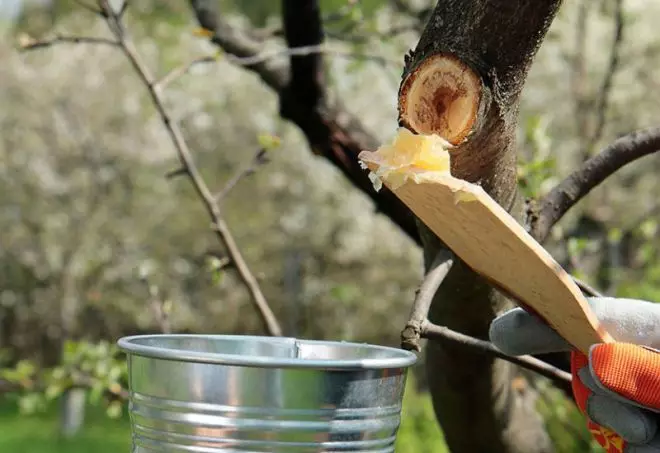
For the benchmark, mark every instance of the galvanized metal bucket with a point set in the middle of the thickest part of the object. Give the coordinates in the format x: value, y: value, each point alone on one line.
x: 220, y: 393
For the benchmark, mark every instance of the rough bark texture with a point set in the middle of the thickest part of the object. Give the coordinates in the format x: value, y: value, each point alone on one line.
x: 474, y: 399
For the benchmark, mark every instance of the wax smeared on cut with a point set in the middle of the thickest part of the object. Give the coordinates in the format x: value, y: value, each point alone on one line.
x: 409, y: 157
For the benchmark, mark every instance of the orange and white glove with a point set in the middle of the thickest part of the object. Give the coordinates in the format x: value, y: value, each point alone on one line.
x: 617, y: 386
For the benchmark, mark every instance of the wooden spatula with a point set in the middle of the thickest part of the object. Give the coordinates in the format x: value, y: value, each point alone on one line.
x: 483, y: 235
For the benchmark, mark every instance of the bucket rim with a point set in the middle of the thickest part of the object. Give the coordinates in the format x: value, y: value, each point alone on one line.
x: 398, y: 358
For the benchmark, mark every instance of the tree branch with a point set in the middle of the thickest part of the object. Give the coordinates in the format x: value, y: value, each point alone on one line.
x: 331, y: 132
x: 439, y: 269
x: 259, y: 159
x: 265, y: 56
x: 187, y: 162
x: 435, y: 332
x: 606, y: 87
x: 28, y: 43
x: 594, y: 171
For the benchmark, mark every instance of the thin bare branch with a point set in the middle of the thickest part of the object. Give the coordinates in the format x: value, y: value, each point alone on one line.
x: 176, y: 172
x: 594, y: 171
x: 578, y: 76
x: 182, y: 70
x: 439, y: 269
x: 259, y: 159
x: 185, y: 156
x: 158, y: 305
x: 606, y: 87
x: 124, y: 7
x: 435, y: 332
x: 265, y: 56
x: 28, y: 43
x: 311, y: 50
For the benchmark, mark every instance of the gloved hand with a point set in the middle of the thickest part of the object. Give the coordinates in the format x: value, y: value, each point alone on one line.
x: 618, y: 385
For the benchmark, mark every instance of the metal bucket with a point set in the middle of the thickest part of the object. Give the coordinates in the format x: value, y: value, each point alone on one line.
x: 219, y: 393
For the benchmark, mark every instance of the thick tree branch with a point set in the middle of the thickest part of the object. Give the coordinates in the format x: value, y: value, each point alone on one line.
x: 594, y: 171
x: 303, y: 26
x: 330, y: 131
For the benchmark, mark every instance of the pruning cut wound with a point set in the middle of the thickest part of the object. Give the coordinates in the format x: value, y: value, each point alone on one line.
x: 409, y: 157
x: 441, y: 96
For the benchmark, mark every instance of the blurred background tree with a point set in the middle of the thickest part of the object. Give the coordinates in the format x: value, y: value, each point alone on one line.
x: 96, y: 243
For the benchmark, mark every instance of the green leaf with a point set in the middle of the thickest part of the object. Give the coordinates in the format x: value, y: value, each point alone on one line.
x: 96, y: 392
x: 217, y: 277
x: 268, y: 141
x: 114, y: 409
x: 30, y: 403
x: 26, y: 368
x: 614, y: 235
x: 53, y: 391
x: 345, y: 293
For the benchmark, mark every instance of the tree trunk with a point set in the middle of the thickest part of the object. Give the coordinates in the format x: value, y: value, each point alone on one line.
x: 463, y: 82
x: 72, y: 411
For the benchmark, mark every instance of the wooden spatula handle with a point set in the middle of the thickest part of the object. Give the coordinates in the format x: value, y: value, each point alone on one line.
x: 484, y: 236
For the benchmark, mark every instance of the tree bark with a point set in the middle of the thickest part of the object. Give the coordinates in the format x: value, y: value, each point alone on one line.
x: 495, y: 41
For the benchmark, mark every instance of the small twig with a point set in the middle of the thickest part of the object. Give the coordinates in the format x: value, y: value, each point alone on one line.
x: 579, y: 73
x: 122, y: 10
x: 606, y: 87
x: 183, y: 69
x: 439, y: 269
x: 594, y: 171
x: 310, y: 50
x: 27, y: 43
x: 259, y: 159
x: 432, y: 331
x: 265, y: 56
x: 158, y: 305
x: 219, y: 225
x: 176, y: 172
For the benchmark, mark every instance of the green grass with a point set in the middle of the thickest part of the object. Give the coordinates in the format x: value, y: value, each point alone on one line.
x: 39, y: 433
